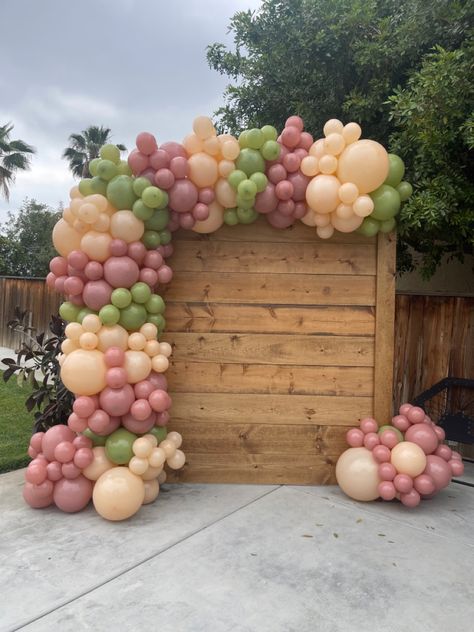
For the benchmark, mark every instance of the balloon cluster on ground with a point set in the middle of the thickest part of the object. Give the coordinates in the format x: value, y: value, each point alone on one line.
x: 406, y: 459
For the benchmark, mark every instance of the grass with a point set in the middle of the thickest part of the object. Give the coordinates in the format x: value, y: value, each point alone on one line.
x: 15, y: 425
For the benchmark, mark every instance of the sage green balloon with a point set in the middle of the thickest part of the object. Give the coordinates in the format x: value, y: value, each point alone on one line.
x: 243, y: 142
x: 386, y: 202
x: 245, y: 204
x: 118, y: 446
x: 247, y: 190
x: 159, y: 432
x: 255, y: 138
x: 140, y: 184
x: 388, y: 225
x: 94, y: 163
x: 247, y: 216
x: 106, y: 169
x: 152, y: 196
x: 121, y: 297
x: 158, y: 321
x: 158, y: 221
x: 120, y: 192
x: 151, y: 239
x: 369, y: 227
x: 230, y: 217
x: 271, y: 150
x: 165, y: 237
x: 133, y: 317
x: 123, y: 168
x: 269, y: 132
x: 85, y: 187
x: 110, y: 152
x: 85, y: 311
x: 109, y: 315
x: 155, y: 304
x: 396, y: 170
x: 68, y: 311
x: 236, y: 177
x: 404, y: 190
x: 249, y: 161
x: 98, y: 185
x: 96, y: 439
x: 260, y: 180
x: 141, y: 292
x: 142, y: 211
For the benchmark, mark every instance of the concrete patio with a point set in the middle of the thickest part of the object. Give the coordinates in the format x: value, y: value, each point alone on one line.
x: 242, y: 558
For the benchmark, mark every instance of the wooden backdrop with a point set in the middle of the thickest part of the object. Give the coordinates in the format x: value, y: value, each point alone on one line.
x: 280, y: 342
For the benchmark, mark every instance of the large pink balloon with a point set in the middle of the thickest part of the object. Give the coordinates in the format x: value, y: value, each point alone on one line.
x: 96, y: 294
x: 183, y: 196
x: 424, y: 436
x: 35, y: 495
x: 300, y: 184
x: 71, y: 495
x: 146, y: 143
x: 439, y: 470
x: 267, y: 201
x: 174, y: 149
x: 121, y: 271
x: 117, y: 401
x: 53, y: 437
x: 277, y: 220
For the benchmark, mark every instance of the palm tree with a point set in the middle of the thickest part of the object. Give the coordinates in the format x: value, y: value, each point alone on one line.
x: 85, y: 147
x: 15, y: 155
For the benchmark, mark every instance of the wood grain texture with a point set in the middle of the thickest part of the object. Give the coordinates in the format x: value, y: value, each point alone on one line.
x: 278, y: 319
x: 272, y: 349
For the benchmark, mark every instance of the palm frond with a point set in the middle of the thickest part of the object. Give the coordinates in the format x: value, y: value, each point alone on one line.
x: 20, y: 145
x: 16, y: 161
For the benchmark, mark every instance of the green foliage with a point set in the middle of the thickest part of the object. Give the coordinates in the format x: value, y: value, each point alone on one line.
x: 25, y: 240
x: 85, y: 147
x: 15, y: 155
x: 37, y: 365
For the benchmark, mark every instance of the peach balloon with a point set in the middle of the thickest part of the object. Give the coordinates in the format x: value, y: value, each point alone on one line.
x: 161, y: 477
x: 152, y: 472
x: 99, y: 465
x: 203, y: 170
x: 357, y: 474
x: 351, y: 132
x: 175, y: 437
x: 65, y: 238
x: 102, y: 224
x: 203, y: 127
x: 213, y: 222
x: 230, y: 149
x: 211, y: 146
x: 138, y: 465
x: 152, y: 489
x: 83, y: 372
x: 68, y: 216
x: 96, y: 245
x: 325, y: 232
x: 322, y: 219
x: 192, y: 144
x: 333, y: 126
x: 363, y: 206
x: 346, y: 224
x: 177, y: 460
x: 149, y: 330
x: 73, y: 331
x: 365, y: 163
x: 317, y: 148
x: 114, y: 336
x: 408, y: 458
x: 226, y: 167
x: 310, y: 166
x: 160, y: 363
x: 118, y: 494
x: 75, y: 193
x: 322, y: 193
x: 124, y: 225
x: 348, y: 193
x: 100, y: 201
x: 327, y: 164
x: 344, y: 211
x: 75, y: 207
x: 225, y: 194
x: 68, y: 346
x: 334, y: 143
x: 308, y: 219
x: 137, y: 365
x: 157, y: 457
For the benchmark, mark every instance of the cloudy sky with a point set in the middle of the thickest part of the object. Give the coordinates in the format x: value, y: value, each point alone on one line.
x: 126, y: 64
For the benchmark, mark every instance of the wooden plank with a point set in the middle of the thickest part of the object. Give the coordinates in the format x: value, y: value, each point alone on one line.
x: 384, y: 327
x: 244, y: 318
x: 258, y: 468
x: 226, y: 408
x: 272, y: 349
x: 306, y: 258
x: 250, y: 438
x: 278, y: 289
x: 208, y: 377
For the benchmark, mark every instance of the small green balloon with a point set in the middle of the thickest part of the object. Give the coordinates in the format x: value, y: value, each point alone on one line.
x: 155, y: 304
x: 158, y: 221
x: 260, y: 180
x: 158, y: 321
x: 140, y: 184
x: 151, y: 239
x: 271, y: 150
x: 120, y: 192
x: 110, y: 152
x: 386, y: 202
x: 94, y: 163
x: 235, y: 178
x: 109, y: 315
x: 247, y: 190
x: 107, y: 170
x: 249, y: 161
x: 269, y: 132
x: 123, y: 168
x: 118, y: 446
x: 395, y: 430
x: 159, y: 432
x: 142, y: 211
x: 141, y: 292
x: 121, y: 297
x: 85, y: 311
x: 152, y: 196
x: 388, y: 225
x: 96, y: 439
x: 246, y: 216
x: 396, y: 170
x: 369, y: 227
x: 243, y: 139
x: 85, y: 186
x: 165, y: 200
x: 245, y: 204
x: 133, y: 317
x: 404, y: 190
x: 68, y: 311
x: 98, y: 185
x: 255, y: 138
x: 165, y: 237
x: 230, y: 217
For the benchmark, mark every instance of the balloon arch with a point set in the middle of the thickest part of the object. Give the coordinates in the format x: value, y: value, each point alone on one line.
x: 113, y: 242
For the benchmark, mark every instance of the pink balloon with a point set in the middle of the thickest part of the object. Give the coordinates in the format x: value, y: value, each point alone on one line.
x: 153, y: 259
x: 76, y: 423
x: 167, y: 250
x: 404, y: 408
x: 117, y: 401
x: 371, y: 440
x: 300, y: 210
x: 121, y: 271
x: 94, y: 271
x: 73, y: 285
x: 53, y: 437
x: 32, y: 452
x: 146, y: 143
x: 96, y: 294
x: 174, y: 149
x: 424, y: 485
x: 140, y: 409
x: 72, y: 495
x: 266, y: 201
x: 118, y: 247
x: 59, y: 284
x: 51, y: 280
x: 411, y: 499
x: 143, y: 389
x: 82, y: 442
x: 403, y: 483
x: 295, y: 121
x: 389, y: 438
x: 35, y: 497
x: 290, y: 137
x: 76, y: 300
x: 400, y: 422
x: 416, y: 415
x: 149, y: 174
x: 148, y: 276
x: 75, y: 272
x: 83, y: 458
x: 291, y: 162
x: 36, y: 441
x: 424, y: 436
x: 381, y: 453
x: 64, y: 452
x: 158, y: 380
x: 457, y: 467
x: 387, y: 490
x: 439, y: 470
x: 300, y: 184
x: 36, y: 472
x: 306, y: 140
x: 137, y: 161
x: 174, y: 222
x: 277, y: 173
x: 183, y: 196
x: 440, y: 433
x: 456, y: 455
x: 286, y: 208
x: 200, y: 212
x: 159, y: 159
x: 84, y: 406
x: 113, y: 424
x: 58, y: 266
x: 164, y: 178
x: 162, y: 418
x: 78, y: 259
x: 368, y: 425
x: 300, y: 152
x: 179, y: 167
x: 137, y: 251
x: 206, y: 196
x: 165, y: 274
x: 54, y: 471
x: 70, y: 471
x: 444, y: 451
x: 159, y: 400
x: 355, y: 438
x: 387, y: 471
x: 114, y: 356
x: 277, y: 220
x: 139, y: 427
x: 98, y: 421
x: 116, y: 377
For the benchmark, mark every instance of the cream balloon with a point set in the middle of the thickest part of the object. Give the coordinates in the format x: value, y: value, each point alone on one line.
x: 203, y: 127
x: 65, y: 238
x: 363, y: 206
x: 203, y: 170
x: 351, y: 133
x: 348, y: 193
x: 192, y: 144
x: 334, y: 143
x: 408, y: 458
x: 333, y: 126
x: 99, y: 465
x: 365, y: 163
x: 357, y: 474
x: 322, y: 193
x: 152, y: 472
x: 96, y: 245
x: 83, y: 372
x: 176, y: 461
x: 310, y: 166
x: 152, y: 489
x: 322, y: 219
x: 213, y: 222
x: 225, y: 194
x: 325, y: 232
x: 346, y: 224
x: 118, y: 494
x: 317, y: 148
x: 124, y: 225
x: 343, y: 211
x: 327, y: 164
x: 114, y: 336
x: 137, y: 366
x: 308, y: 219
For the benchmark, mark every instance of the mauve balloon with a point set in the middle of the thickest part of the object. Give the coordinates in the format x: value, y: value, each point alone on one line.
x: 137, y: 161
x: 117, y: 401
x: 174, y: 149
x: 183, y: 196
x: 164, y: 178
x: 72, y: 495
x: 146, y: 143
x: 138, y: 427
x: 439, y: 470
x: 277, y: 220
x: 53, y: 437
x: 157, y: 380
x: 300, y: 184
x: 121, y: 271
x: 159, y: 159
x: 266, y: 201
x: 96, y: 294
x: 34, y: 496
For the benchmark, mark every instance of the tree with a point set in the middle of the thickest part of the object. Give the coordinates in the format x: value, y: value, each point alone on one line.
x: 25, y: 240
x: 339, y: 59
x: 15, y: 155
x: 84, y: 147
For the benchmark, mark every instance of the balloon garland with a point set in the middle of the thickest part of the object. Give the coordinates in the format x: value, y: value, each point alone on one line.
x: 113, y: 241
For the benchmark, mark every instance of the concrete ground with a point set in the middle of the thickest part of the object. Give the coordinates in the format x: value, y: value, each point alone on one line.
x: 221, y: 558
